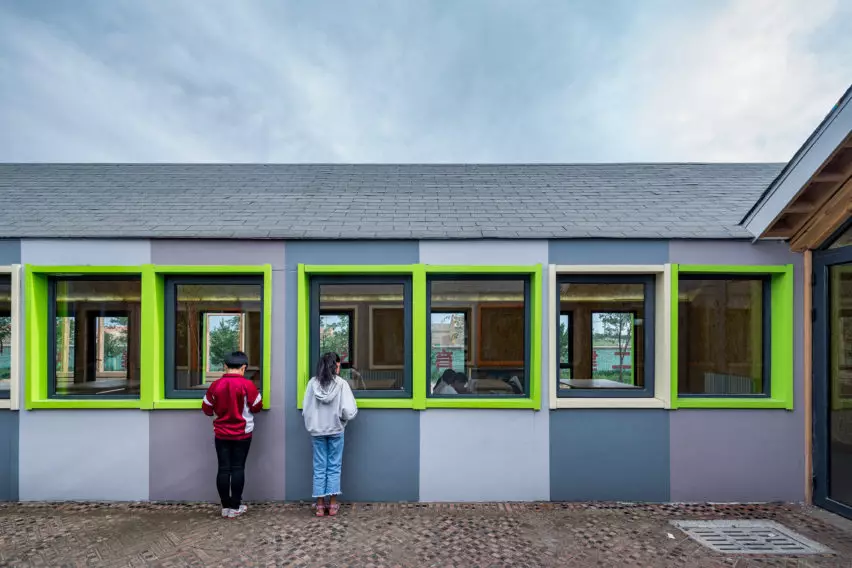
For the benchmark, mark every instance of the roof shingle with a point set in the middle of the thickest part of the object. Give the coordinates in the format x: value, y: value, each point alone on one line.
x: 380, y: 201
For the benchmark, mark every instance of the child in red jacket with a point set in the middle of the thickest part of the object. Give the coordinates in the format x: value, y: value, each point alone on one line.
x: 232, y: 399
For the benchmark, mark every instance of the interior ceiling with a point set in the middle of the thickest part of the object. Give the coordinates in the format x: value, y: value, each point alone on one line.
x: 821, y: 206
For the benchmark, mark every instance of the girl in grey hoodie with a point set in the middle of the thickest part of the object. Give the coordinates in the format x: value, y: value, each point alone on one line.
x: 327, y: 407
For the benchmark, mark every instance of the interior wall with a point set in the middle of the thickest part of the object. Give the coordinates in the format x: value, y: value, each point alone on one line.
x: 381, y: 454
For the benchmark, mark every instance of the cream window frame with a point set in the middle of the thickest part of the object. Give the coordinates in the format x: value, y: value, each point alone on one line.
x: 662, y: 336
x: 16, y: 342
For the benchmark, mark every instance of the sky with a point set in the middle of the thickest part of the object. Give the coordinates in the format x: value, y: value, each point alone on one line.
x: 288, y: 81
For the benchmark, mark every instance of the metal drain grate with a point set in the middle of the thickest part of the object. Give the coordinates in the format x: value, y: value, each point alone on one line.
x: 749, y: 537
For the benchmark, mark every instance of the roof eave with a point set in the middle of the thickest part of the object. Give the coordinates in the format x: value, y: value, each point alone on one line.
x: 807, y: 161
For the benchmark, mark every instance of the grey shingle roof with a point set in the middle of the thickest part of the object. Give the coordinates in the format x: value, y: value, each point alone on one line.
x: 380, y: 201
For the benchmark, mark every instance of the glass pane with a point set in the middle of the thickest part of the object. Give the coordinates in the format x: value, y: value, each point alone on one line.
x: 211, y: 322
x: 96, y: 334
x: 5, y: 334
x: 612, y: 347
x: 840, y: 385
x: 450, y: 340
x: 479, y: 344
x: 603, y: 339
x: 720, y: 336
x: 365, y: 325
x: 564, y: 347
x: 336, y: 336
x: 844, y: 240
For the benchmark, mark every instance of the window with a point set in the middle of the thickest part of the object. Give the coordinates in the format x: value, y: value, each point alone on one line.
x: 478, y: 336
x: 366, y: 320
x: 207, y: 318
x: 94, y: 339
x: 5, y: 335
x: 336, y: 334
x: 843, y: 237
x: 605, y: 335
x: 723, y: 335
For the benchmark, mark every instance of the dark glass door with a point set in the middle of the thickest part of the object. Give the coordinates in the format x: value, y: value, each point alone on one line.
x: 833, y: 380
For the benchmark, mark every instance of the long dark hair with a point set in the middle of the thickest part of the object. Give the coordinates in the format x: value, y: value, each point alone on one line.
x: 327, y: 368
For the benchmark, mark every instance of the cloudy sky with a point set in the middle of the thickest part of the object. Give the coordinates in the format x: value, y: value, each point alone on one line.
x: 418, y: 80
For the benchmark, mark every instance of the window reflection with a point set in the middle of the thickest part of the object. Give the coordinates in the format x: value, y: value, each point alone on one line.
x: 478, y: 336
x: 96, y: 337
x: 211, y: 320
x: 5, y: 334
x: 722, y: 337
x: 366, y: 325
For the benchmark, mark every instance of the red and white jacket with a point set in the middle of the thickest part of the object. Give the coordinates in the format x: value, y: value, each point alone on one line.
x: 233, y: 399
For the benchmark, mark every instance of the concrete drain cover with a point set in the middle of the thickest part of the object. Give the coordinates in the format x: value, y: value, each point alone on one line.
x: 749, y: 537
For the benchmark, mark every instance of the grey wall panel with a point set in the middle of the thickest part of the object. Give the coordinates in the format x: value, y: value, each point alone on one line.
x: 473, y: 444
x: 183, y: 460
x: 609, y: 251
x: 484, y: 455
x: 371, y: 440
x: 503, y: 252
x: 218, y: 252
x: 87, y: 455
x: 731, y: 252
x: 8, y: 455
x: 609, y: 455
x: 737, y: 456
x: 82, y: 252
x: 742, y: 455
x: 380, y: 457
x: 10, y: 251
x: 83, y: 454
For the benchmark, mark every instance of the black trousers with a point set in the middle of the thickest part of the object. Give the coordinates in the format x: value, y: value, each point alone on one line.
x: 231, y: 477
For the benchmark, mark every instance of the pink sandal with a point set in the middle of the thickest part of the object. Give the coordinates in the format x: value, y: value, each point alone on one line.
x: 320, y: 511
x: 333, y: 510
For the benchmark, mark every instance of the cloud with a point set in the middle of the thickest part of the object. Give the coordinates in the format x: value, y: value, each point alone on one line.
x: 746, y: 85
x: 387, y: 81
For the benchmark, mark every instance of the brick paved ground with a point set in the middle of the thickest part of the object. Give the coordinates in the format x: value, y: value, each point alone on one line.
x: 391, y: 535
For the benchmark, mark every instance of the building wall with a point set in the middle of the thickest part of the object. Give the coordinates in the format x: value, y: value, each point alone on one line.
x: 741, y: 455
x: 182, y: 457
x: 382, y: 448
x: 407, y: 455
x: 83, y: 454
x: 485, y: 454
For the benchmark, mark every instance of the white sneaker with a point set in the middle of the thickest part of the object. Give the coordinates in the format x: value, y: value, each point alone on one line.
x: 238, y: 512
x: 226, y: 513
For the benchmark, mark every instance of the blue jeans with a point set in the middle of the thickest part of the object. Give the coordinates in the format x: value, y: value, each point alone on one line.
x: 328, y: 461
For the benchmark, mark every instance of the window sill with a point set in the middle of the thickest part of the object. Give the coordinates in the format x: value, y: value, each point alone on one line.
x: 518, y: 403
x: 743, y: 403
x: 59, y: 403
x: 625, y: 402
x: 5, y: 404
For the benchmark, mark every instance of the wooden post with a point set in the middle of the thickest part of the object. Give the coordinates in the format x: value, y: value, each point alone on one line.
x: 808, y: 374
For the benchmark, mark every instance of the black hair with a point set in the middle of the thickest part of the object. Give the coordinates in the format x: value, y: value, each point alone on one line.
x: 327, y: 368
x: 459, y: 377
x: 448, y: 376
x: 236, y: 360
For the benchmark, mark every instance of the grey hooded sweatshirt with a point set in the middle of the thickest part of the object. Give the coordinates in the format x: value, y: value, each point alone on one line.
x: 327, y: 410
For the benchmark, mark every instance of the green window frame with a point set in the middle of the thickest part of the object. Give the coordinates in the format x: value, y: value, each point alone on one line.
x: 780, y: 313
x: 152, y: 338
x: 419, y: 333
x: 38, y: 334
x: 157, y: 337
